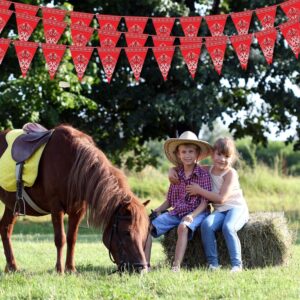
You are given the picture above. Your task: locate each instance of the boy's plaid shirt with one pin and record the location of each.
(181, 201)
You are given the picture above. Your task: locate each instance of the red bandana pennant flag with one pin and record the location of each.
(291, 9)
(53, 31)
(26, 9)
(53, 14)
(242, 21)
(164, 58)
(108, 40)
(163, 41)
(4, 17)
(82, 19)
(108, 23)
(25, 53)
(241, 45)
(4, 44)
(216, 24)
(5, 4)
(26, 25)
(134, 40)
(216, 47)
(191, 55)
(291, 32)
(81, 57)
(163, 26)
(190, 25)
(266, 16)
(81, 35)
(136, 58)
(53, 56)
(266, 40)
(136, 25)
(109, 59)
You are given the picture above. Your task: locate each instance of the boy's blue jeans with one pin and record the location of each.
(230, 222)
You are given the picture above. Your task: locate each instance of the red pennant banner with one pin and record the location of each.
(216, 24)
(25, 52)
(26, 9)
(53, 56)
(4, 44)
(53, 31)
(4, 17)
(82, 19)
(109, 59)
(266, 40)
(5, 4)
(81, 57)
(136, 40)
(241, 45)
(81, 35)
(136, 58)
(216, 47)
(163, 41)
(190, 25)
(26, 25)
(136, 25)
(242, 21)
(291, 32)
(108, 40)
(53, 14)
(164, 58)
(291, 9)
(108, 23)
(190, 40)
(163, 26)
(266, 16)
(191, 55)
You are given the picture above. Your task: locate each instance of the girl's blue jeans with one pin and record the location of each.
(229, 222)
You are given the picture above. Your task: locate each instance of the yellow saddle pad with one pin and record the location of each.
(8, 165)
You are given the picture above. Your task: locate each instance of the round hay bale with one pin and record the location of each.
(265, 241)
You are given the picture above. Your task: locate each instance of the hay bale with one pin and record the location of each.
(265, 240)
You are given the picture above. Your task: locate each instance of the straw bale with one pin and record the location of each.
(265, 241)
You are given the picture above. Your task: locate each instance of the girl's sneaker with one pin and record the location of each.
(236, 269)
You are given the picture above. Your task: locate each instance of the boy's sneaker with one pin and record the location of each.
(236, 269)
(213, 268)
(176, 269)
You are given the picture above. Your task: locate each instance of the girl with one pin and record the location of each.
(230, 208)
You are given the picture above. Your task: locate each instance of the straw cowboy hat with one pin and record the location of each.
(186, 137)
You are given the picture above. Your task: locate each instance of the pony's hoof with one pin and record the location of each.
(10, 269)
(71, 270)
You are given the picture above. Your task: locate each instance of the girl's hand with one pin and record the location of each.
(188, 219)
(173, 176)
(193, 189)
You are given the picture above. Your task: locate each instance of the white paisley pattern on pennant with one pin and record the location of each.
(191, 31)
(80, 65)
(218, 56)
(52, 63)
(108, 27)
(108, 43)
(294, 40)
(136, 64)
(109, 64)
(243, 27)
(164, 64)
(216, 29)
(243, 54)
(267, 47)
(24, 60)
(293, 13)
(136, 29)
(192, 61)
(52, 36)
(163, 30)
(24, 31)
(80, 40)
(267, 22)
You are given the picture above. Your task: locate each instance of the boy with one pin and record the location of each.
(188, 211)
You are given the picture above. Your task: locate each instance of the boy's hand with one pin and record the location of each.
(188, 219)
(173, 176)
(193, 189)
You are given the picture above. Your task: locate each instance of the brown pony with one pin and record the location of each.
(75, 177)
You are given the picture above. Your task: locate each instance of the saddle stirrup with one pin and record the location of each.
(20, 206)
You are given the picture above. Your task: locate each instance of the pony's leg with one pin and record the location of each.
(6, 227)
(59, 238)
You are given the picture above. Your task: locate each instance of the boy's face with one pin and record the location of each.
(187, 154)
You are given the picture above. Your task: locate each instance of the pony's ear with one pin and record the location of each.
(146, 202)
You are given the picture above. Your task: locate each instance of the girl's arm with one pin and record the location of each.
(173, 176)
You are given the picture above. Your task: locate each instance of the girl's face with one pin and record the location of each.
(221, 161)
(187, 154)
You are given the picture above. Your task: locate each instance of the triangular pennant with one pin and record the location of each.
(81, 57)
(190, 25)
(191, 55)
(164, 58)
(190, 40)
(26, 9)
(81, 34)
(109, 59)
(53, 31)
(136, 58)
(163, 26)
(266, 16)
(242, 45)
(108, 23)
(4, 44)
(291, 9)
(4, 17)
(136, 40)
(25, 53)
(53, 56)
(136, 25)
(82, 19)
(26, 25)
(291, 32)
(216, 24)
(163, 41)
(108, 40)
(53, 14)
(216, 47)
(242, 21)
(266, 40)
(4, 4)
